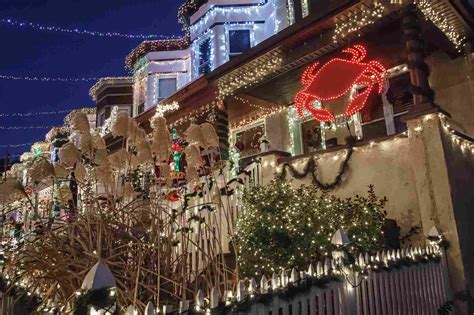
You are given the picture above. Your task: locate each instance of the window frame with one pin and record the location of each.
(238, 27)
(159, 98)
(388, 110)
(198, 54)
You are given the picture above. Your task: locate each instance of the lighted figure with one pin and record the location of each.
(337, 77)
(175, 148)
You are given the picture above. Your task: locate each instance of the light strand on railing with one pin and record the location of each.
(464, 142)
(49, 28)
(45, 79)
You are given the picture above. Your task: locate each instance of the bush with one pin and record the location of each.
(282, 227)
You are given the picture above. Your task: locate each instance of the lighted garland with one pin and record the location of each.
(282, 227)
(311, 168)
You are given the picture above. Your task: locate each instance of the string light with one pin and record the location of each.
(24, 127)
(464, 142)
(337, 77)
(45, 79)
(16, 145)
(157, 45)
(35, 113)
(194, 115)
(46, 28)
(354, 22)
(432, 12)
(262, 115)
(107, 81)
(247, 76)
(161, 109)
(225, 13)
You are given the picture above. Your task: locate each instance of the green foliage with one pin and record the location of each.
(100, 299)
(282, 227)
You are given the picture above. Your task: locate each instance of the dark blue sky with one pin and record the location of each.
(26, 52)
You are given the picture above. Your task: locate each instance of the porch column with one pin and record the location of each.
(423, 95)
(222, 129)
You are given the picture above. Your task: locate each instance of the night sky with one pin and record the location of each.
(26, 52)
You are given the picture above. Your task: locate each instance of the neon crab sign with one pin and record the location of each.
(337, 77)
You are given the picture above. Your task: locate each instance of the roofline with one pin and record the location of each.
(145, 47)
(107, 82)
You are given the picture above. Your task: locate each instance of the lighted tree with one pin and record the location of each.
(282, 227)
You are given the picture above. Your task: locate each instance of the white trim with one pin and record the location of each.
(195, 53)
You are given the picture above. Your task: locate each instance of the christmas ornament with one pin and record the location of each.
(336, 78)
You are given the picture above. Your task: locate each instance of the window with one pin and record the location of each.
(101, 119)
(140, 108)
(204, 56)
(108, 111)
(304, 8)
(166, 87)
(239, 42)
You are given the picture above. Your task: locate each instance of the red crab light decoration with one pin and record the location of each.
(337, 77)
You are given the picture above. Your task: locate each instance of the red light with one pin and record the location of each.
(337, 77)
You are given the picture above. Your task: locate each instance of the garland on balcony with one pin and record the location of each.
(312, 168)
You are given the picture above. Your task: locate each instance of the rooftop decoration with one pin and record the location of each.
(156, 45)
(336, 78)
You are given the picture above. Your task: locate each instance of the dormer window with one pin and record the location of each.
(204, 56)
(239, 42)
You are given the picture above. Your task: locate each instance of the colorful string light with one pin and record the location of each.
(48, 28)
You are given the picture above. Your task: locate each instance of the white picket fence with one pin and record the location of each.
(417, 288)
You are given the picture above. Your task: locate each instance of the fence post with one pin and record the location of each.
(348, 294)
(436, 239)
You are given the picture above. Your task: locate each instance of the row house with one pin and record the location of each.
(242, 64)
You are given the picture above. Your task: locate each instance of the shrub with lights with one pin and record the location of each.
(283, 227)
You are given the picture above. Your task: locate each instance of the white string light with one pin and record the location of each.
(16, 145)
(45, 79)
(24, 127)
(48, 28)
(35, 113)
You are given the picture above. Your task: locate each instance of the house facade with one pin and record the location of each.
(240, 68)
